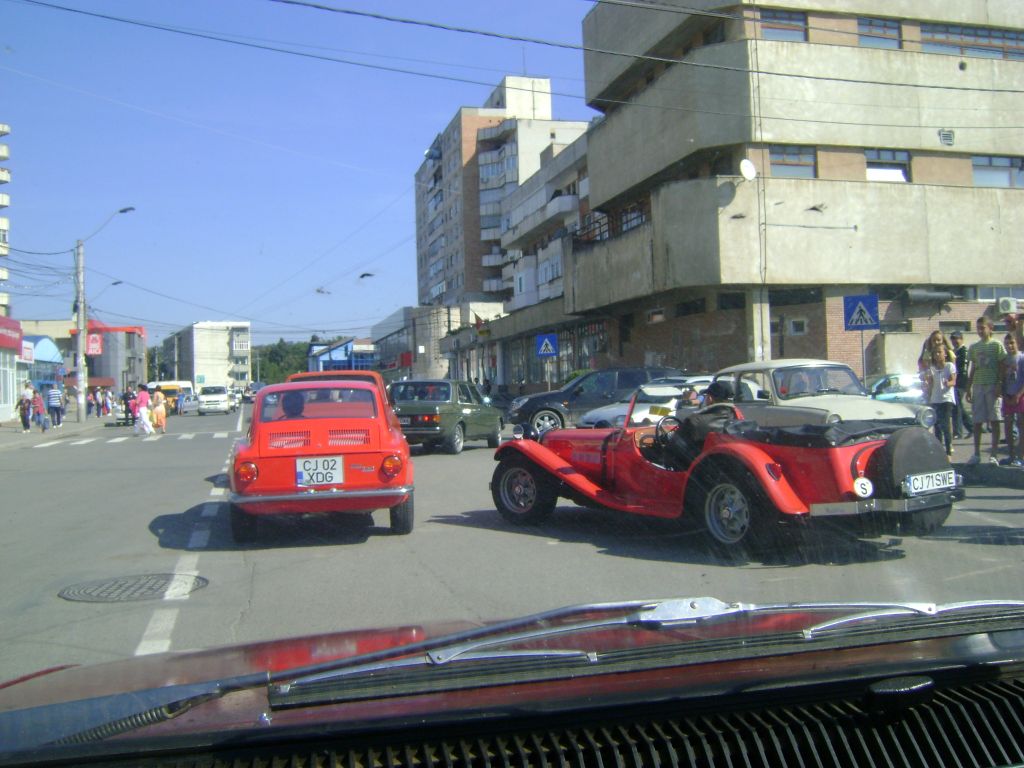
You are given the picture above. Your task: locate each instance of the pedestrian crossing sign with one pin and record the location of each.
(547, 345)
(860, 313)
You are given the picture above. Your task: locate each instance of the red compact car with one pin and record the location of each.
(741, 483)
(320, 447)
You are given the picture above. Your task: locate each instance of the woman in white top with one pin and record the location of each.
(939, 380)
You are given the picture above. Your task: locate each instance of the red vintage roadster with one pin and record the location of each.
(744, 485)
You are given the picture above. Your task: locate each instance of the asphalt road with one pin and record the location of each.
(108, 507)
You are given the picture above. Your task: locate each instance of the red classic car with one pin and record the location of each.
(320, 447)
(743, 484)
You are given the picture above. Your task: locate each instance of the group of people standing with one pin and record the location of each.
(147, 411)
(989, 376)
(42, 410)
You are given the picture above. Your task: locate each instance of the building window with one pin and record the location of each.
(655, 316)
(783, 25)
(797, 327)
(632, 217)
(998, 171)
(793, 162)
(732, 300)
(878, 33)
(981, 42)
(693, 307)
(887, 164)
(990, 293)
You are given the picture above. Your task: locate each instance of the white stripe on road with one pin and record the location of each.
(47, 445)
(157, 637)
(117, 439)
(238, 426)
(210, 509)
(83, 442)
(200, 538)
(217, 491)
(220, 435)
(151, 438)
(187, 436)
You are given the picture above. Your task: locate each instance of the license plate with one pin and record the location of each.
(404, 420)
(321, 470)
(926, 482)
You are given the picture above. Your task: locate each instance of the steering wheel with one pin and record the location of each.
(662, 428)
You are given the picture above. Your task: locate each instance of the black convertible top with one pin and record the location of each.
(814, 435)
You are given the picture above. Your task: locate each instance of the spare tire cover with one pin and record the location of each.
(909, 451)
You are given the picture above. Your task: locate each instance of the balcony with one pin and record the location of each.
(5, 299)
(495, 132)
(5, 152)
(5, 200)
(493, 259)
(493, 285)
(557, 212)
(492, 233)
(5, 175)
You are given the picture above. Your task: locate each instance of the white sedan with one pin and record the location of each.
(659, 394)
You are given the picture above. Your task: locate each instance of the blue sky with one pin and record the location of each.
(257, 177)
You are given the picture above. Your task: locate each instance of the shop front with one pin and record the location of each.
(10, 350)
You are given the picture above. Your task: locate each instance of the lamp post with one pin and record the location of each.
(82, 314)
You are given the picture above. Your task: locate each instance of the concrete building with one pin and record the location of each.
(210, 353)
(120, 351)
(5, 225)
(758, 164)
(469, 168)
(350, 354)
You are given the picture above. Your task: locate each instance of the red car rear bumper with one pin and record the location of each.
(315, 502)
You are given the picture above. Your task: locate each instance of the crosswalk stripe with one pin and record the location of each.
(220, 434)
(83, 442)
(151, 438)
(186, 436)
(47, 445)
(117, 440)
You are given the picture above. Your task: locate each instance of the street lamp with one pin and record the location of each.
(82, 313)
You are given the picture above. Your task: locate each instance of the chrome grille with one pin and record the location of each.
(339, 437)
(298, 439)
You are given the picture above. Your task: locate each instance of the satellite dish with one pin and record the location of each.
(747, 170)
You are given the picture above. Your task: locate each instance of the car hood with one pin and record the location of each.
(853, 407)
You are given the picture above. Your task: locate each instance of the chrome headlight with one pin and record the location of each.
(926, 417)
(833, 418)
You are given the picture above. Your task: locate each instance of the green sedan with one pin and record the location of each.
(445, 413)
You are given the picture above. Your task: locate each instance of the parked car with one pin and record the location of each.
(445, 413)
(565, 406)
(249, 393)
(215, 400)
(676, 390)
(804, 391)
(742, 483)
(320, 447)
(897, 388)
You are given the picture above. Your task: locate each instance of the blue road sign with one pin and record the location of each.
(860, 313)
(547, 345)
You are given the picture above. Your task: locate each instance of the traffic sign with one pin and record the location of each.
(860, 313)
(547, 345)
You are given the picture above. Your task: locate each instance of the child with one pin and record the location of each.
(1013, 399)
(939, 379)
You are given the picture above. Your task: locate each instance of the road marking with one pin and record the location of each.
(83, 442)
(217, 491)
(200, 538)
(117, 439)
(210, 509)
(157, 637)
(187, 436)
(220, 435)
(47, 445)
(981, 572)
(238, 426)
(151, 438)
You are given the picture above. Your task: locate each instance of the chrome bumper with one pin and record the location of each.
(314, 495)
(903, 506)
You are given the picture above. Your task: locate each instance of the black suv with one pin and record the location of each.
(562, 407)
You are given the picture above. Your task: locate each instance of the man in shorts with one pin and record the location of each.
(986, 357)
(1013, 399)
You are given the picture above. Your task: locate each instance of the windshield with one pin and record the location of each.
(510, 220)
(805, 381)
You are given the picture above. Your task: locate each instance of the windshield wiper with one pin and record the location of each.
(83, 721)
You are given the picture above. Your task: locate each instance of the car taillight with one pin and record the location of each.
(429, 418)
(391, 466)
(246, 472)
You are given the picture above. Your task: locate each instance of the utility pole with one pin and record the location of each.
(80, 324)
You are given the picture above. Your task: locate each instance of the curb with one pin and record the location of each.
(991, 475)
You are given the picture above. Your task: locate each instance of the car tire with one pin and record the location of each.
(494, 439)
(734, 515)
(523, 493)
(455, 441)
(244, 527)
(402, 516)
(546, 419)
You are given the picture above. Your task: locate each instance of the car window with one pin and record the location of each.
(320, 403)
(465, 396)
(602, 382)
(631, 379)
(213, 391)
(753, 386)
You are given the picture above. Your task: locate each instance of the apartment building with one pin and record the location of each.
(758, 164)
(469, 168)
(5, 226)
(212, 353)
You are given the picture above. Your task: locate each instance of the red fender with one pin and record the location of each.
(767, 473)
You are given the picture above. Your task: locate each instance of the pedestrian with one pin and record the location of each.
(961, 416)
(939, 382)
(935, 340)
(159, 406)
(25, 411)
(39, 410)
(986, 357)
(128, 400)
(54, 404)
(1013, 399)
(142, 412)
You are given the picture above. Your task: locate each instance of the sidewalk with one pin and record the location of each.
(985, 473)
(11, 435)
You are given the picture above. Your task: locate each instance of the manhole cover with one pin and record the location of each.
(149, 586)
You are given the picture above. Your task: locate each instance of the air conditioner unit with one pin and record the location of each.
(1007, 306)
